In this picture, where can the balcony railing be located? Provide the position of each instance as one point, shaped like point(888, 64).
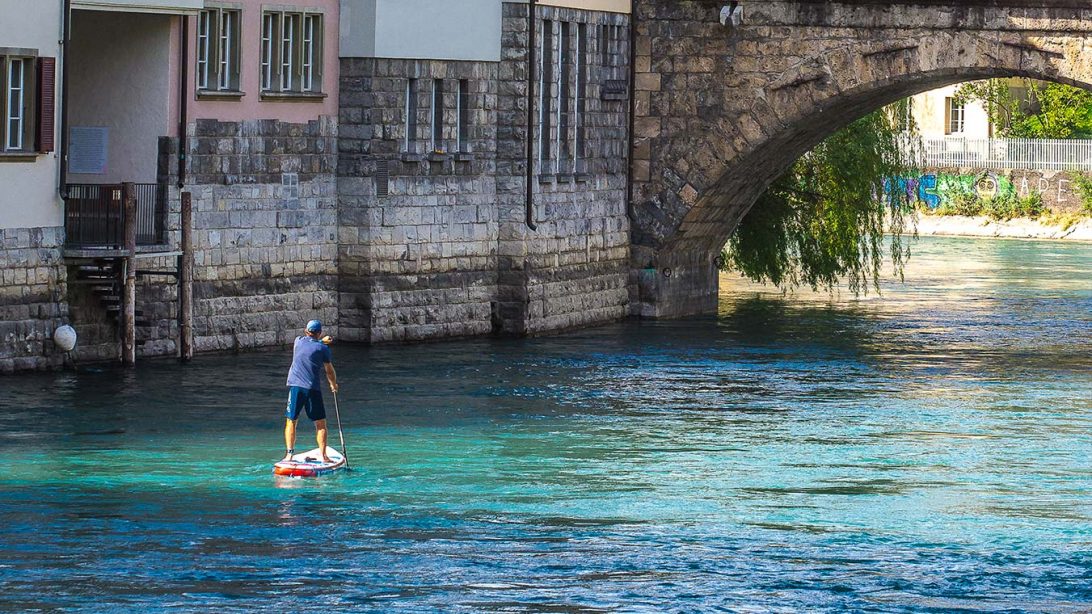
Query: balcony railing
point(95, 215)
point(1007, 154)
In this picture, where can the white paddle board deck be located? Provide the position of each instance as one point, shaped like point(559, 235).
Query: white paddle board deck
point(310, 464)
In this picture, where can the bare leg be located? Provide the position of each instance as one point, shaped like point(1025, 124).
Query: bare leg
point(320, 435)
point(289, 436)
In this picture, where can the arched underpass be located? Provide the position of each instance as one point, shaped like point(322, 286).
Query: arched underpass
point(720, 112)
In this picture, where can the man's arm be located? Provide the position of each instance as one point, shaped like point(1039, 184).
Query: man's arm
point(331, 376)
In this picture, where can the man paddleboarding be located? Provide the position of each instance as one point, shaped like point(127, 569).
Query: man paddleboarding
point(310, 356)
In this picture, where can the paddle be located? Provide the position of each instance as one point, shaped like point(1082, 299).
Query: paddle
point(344, 452)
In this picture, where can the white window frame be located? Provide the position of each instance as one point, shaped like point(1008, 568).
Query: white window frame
point(225, 49)
point(312, 26)
point(269, 50)
point(291, 52)
point(219, 34)
point(15, 138)
point(204, 47)
point(23, 96)
point(957, 117)
point(287, 51)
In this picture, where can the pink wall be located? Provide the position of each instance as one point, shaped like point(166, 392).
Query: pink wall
point(251, 106)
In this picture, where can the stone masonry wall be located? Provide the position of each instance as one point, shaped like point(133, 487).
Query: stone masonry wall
point(32, 304)
point(433, 239)
point(265, 230)
point(418, 262)
point(572, 269)
point(722, 111)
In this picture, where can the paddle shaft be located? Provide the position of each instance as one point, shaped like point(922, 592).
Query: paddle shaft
point(340, 434)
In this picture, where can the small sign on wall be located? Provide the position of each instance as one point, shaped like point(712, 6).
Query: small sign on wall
point(88, 148)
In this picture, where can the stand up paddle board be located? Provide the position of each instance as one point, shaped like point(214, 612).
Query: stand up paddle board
point(310, 465)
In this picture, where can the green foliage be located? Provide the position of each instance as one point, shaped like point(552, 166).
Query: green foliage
point(1008, 206)
point(827, 218)
point(962, 203)
point(1033, 110)
point(1004, 206)
point(1084, 186)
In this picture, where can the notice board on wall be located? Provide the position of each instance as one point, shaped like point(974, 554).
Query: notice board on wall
point(88, 148)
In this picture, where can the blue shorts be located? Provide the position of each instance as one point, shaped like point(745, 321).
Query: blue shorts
point(306, 399)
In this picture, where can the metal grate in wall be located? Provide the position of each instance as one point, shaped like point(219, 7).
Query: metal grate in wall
point(382, 178)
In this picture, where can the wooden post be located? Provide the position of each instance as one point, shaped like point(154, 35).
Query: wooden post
point(128, 296)
point(185, 284)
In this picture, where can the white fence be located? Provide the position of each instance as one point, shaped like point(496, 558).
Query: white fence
point(1030, 154)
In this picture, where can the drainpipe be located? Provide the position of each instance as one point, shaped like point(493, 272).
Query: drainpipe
point(531, 62)
point(66, 36)
point(632, 104)
point(183, 100)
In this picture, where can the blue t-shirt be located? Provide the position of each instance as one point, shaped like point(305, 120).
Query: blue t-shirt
point(308, 357)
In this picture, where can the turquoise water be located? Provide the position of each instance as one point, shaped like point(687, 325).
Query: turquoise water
point(923, 451)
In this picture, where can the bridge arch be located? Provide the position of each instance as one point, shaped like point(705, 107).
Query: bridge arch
point(722, 112)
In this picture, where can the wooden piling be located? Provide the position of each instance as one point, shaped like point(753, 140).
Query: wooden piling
point(128, 296)
point(185, 285)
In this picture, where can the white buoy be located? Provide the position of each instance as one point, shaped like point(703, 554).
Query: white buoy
point(65, 338)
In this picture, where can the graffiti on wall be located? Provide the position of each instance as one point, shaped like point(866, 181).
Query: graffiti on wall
point(935, 189)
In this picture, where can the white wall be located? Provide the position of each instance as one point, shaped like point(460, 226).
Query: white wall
point(422, 29)
point(145, 6)
point(28, 189)
point(929, 111)
point(119, 78)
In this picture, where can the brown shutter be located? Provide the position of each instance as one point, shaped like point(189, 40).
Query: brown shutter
point(47, 102)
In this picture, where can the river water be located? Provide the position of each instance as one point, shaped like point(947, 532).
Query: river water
point(924, 450)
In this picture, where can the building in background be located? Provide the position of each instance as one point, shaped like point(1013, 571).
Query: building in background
point(482, 169)
point(939, 113)
point(260, 150)
point(399, 169)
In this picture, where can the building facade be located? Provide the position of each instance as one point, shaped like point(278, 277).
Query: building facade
point(400, 170)
point(482, 167)
point(939, 113)
point(32, 275)
point(260, 160)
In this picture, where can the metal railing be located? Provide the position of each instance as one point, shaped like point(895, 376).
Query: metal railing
point(1004, 154)
point(95, 215)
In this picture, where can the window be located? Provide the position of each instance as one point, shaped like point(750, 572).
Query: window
point(956, 113)
point(605, 45)
point(581, 92)
point(437, 115)
point(564, 107)
point(15, 112)
point(269, 29)
point(27, 96)
point(545, 93)
point(218, 50)
point(411, 116)
point(463, 116)
point(563, 85)
point(311, 28)
point(291, 53)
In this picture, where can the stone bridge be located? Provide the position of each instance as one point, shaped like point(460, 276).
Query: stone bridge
point(722, 111)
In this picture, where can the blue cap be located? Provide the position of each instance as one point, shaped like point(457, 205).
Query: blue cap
point(314, 326)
